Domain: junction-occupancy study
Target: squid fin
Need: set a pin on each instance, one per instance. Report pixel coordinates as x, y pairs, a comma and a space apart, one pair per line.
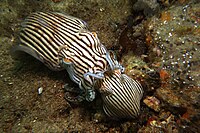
15, 51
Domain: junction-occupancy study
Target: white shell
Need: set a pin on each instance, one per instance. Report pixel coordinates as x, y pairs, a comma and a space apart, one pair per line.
40, 90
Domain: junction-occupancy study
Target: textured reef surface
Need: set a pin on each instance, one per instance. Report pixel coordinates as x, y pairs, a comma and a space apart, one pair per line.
158, 42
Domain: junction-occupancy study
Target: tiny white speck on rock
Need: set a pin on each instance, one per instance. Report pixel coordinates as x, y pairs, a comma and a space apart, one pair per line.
40, 90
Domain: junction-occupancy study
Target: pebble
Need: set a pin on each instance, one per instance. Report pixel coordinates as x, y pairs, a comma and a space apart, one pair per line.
152, 102
40, 90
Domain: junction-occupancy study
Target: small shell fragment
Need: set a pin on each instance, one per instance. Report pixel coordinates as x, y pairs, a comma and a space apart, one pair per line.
40, 89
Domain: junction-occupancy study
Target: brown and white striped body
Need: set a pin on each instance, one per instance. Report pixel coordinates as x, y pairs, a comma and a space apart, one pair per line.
121, 95
62, 41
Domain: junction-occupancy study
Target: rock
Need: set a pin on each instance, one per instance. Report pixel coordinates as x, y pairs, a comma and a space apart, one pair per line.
152, 102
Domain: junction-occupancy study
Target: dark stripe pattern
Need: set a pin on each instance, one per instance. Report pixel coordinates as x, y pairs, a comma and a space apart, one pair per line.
46, 32
56, 36
121, 95
64, 42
